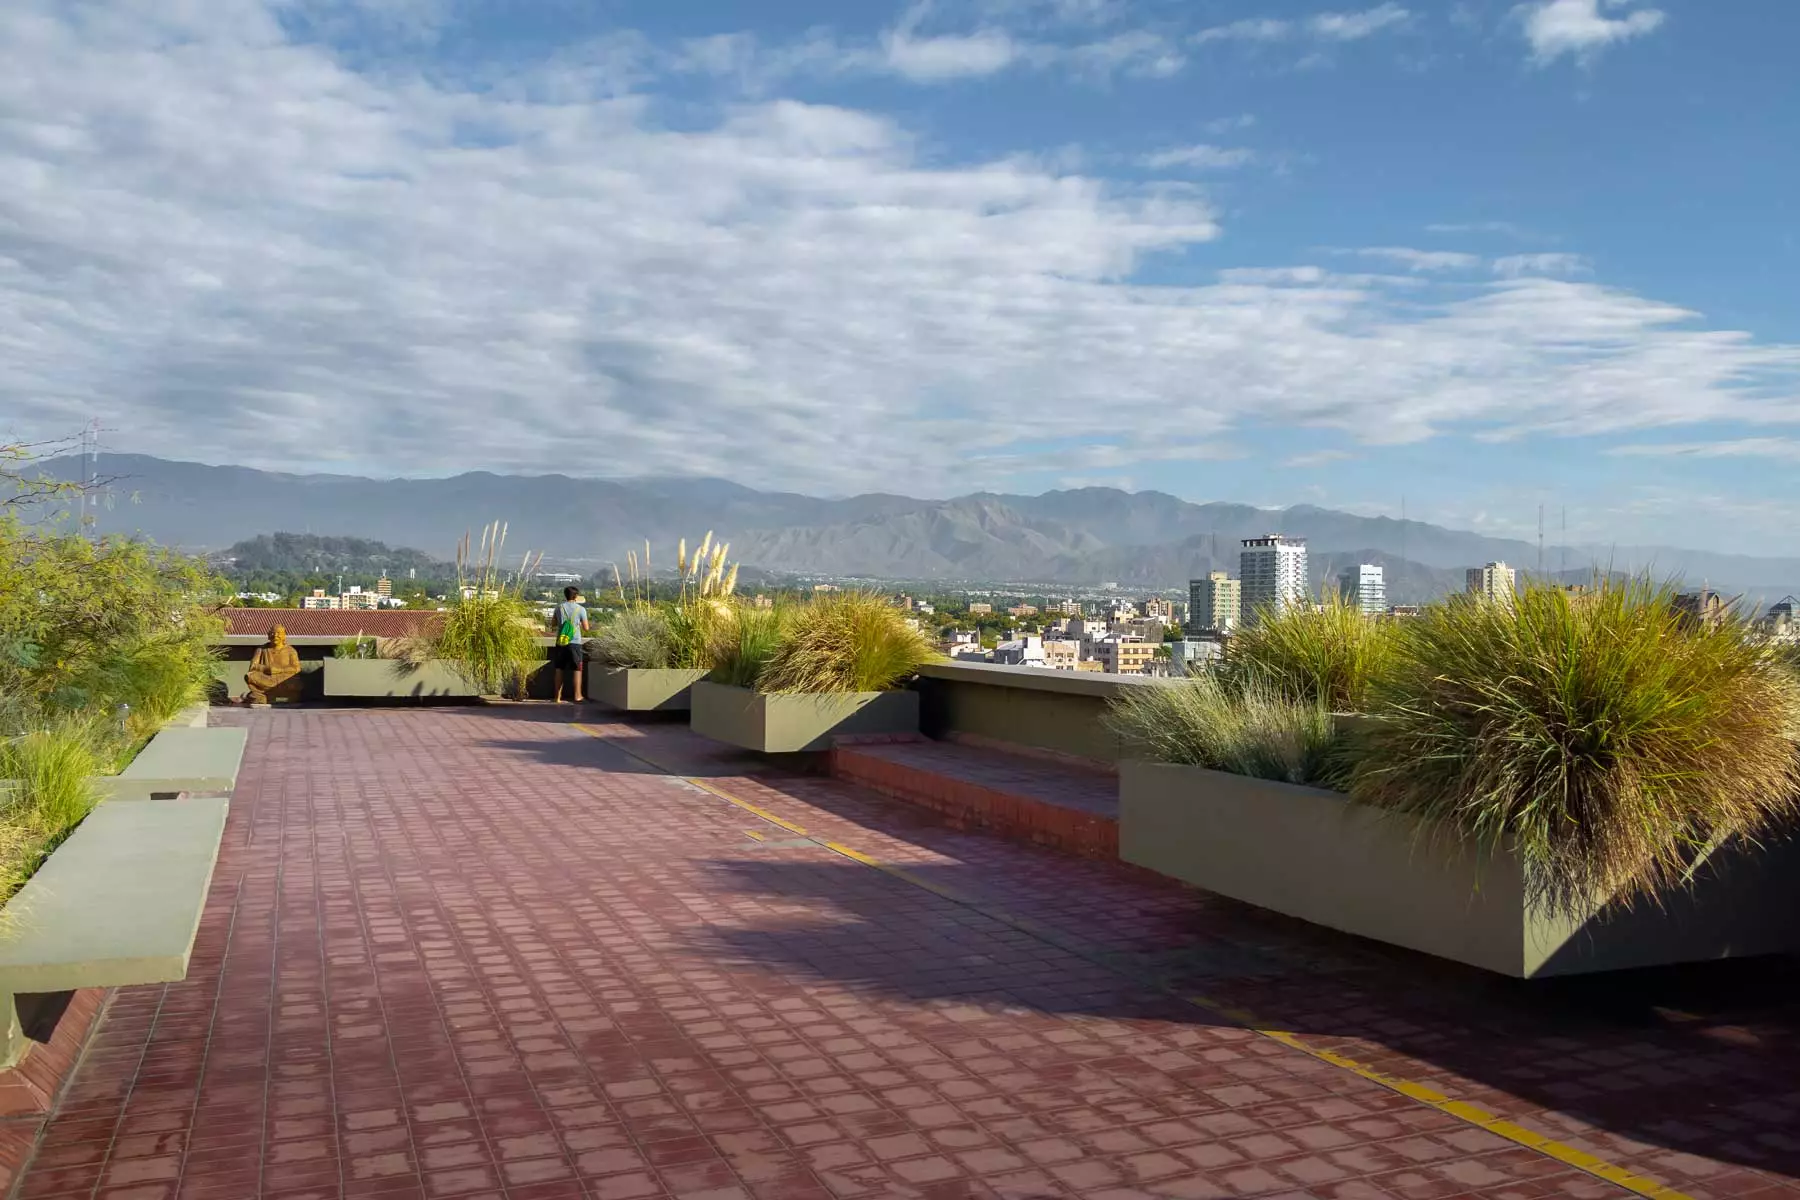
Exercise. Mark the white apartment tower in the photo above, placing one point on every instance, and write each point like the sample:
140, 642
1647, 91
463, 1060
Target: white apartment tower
1495, 581
1214, 602
1272, 572
1366, 588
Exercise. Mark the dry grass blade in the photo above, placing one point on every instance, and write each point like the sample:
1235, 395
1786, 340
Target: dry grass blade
848, 642
1603, 735
1252, 730
1332, 654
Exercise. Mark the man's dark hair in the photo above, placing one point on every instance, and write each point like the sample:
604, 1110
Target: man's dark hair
570, 592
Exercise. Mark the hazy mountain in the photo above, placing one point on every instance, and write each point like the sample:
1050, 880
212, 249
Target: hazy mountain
1087, 535
313, 554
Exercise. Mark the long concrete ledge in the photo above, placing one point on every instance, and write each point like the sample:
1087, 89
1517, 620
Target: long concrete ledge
118, 903
182, 760
1038, 679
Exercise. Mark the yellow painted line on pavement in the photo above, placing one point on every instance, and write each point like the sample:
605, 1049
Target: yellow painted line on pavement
1469, 1114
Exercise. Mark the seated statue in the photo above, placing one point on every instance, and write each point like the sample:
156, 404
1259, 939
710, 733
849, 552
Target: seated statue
273, 664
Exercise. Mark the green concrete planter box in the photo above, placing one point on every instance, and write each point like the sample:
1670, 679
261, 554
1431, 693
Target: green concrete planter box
388, 679
787, 722
1316, 855
641, 689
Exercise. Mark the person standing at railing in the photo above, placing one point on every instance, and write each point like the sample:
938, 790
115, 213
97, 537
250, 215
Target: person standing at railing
570, 624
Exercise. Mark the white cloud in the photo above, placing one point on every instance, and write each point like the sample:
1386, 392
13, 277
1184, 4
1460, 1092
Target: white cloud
1139, 54
1324, 26
1515, 266
1581, 28
1235, 124
959, 56
1504, 228
1419, 260
230, 246
1318, 458
1784, 449
1200, 157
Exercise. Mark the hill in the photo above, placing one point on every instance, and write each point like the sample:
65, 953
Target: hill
1077, 536
312, 554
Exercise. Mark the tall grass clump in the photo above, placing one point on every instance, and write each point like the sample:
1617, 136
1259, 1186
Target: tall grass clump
490, 633
1606, 737
687, 631
1252, 729
48, 790
748, 643
1331, 654
846, 642
637, 638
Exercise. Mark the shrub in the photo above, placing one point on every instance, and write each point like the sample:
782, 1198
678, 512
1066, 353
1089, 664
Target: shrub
747, 644
491, 641
637, 637
1249, 730
1331, 654
357, 647
846, 642
50, 774
490, 633
1603, 735
86, 626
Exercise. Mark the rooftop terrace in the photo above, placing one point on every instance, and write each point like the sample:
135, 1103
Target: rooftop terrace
496, 952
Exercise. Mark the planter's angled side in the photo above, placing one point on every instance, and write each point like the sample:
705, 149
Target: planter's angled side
1317, 855
785, 723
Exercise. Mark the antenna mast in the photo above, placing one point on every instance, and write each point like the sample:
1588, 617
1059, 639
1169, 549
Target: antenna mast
1540, 566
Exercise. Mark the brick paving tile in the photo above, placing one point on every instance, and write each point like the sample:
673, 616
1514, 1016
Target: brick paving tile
478, 953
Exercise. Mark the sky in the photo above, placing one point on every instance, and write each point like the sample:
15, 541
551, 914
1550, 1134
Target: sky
1474, 258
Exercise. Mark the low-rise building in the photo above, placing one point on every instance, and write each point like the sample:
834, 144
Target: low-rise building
980, 610
1190, 656
1027, 651
1062, 654
1122, 654
1022, 610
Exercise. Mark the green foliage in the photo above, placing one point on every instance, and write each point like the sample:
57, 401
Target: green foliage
638, 638
1603, 735
491, 641
1251, 729
747, 644
359, 646
845, 642
86, 626
312, 554
490, 633
49, 788
1332, 654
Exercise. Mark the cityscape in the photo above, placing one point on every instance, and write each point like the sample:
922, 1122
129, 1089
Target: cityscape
902, 600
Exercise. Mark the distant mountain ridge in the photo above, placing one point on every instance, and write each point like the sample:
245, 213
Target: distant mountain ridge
1078, 536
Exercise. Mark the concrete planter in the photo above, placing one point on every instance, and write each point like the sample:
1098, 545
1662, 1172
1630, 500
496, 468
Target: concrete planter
784, 723
1315, 855
386, 679
640, 689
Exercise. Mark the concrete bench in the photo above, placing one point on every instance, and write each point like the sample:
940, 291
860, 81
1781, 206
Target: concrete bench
118, 903
181, 760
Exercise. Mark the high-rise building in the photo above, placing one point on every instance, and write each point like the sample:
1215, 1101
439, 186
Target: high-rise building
1365, 587
1214, 602
1272, 575
384, 586
1495, 581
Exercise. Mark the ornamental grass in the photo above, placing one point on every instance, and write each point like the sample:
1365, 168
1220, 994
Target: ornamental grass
1607, 737
845, 642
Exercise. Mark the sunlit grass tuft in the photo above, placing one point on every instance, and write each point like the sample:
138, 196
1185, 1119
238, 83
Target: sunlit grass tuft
846, 642
1603, 735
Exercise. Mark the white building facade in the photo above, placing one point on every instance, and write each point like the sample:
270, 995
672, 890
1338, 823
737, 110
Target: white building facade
1272, 575
1366, 588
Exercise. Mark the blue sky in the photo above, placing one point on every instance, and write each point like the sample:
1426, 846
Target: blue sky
1485, 256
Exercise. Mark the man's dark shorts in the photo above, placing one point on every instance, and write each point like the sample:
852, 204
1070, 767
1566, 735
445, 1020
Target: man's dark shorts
567, 658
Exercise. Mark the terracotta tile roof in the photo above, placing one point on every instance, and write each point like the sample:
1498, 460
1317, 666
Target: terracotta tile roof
325, 622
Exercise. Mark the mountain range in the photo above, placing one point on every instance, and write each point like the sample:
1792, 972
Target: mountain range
1079, 537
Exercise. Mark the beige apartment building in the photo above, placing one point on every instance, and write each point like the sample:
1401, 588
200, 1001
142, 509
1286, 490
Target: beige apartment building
1215, 602
1123, 655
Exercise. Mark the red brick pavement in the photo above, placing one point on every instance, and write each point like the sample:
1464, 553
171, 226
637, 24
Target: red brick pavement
477, 953
1052, 804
